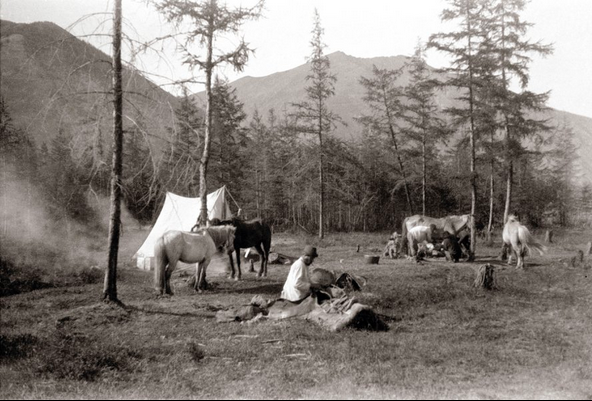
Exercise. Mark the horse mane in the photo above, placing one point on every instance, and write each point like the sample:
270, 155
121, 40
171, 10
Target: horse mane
220, 234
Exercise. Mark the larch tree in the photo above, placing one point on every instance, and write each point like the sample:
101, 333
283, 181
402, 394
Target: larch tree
110, 285
179, 170
421, 115
229, 136
313, 115
512, 50
383, 96
209, 21
259, 154
469, 61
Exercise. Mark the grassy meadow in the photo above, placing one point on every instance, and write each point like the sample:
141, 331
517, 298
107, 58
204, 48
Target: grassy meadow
529, 339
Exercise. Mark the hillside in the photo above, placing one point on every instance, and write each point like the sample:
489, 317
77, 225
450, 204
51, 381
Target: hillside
54, 81
279, 90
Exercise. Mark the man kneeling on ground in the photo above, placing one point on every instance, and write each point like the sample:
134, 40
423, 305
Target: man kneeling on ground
297, 286
451, 247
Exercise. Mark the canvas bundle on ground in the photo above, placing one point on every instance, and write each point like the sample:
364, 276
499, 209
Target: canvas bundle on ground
330, 307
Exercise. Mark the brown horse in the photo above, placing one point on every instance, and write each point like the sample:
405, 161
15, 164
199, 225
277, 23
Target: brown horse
188, 247
252, 233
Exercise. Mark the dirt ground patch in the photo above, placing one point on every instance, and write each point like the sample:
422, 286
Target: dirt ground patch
528, 339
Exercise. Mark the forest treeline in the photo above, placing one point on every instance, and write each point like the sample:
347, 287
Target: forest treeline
412, 156
270, 169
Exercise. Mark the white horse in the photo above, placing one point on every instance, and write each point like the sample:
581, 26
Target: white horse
519, 238
188, 247
419, 235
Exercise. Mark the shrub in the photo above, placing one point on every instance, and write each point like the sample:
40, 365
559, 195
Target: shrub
16, 279
195, 351
91, 275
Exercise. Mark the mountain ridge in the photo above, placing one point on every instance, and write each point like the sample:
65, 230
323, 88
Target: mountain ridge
53, 81
279, 90
49, 88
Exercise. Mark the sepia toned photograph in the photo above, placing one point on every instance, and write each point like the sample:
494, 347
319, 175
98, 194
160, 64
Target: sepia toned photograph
307, 199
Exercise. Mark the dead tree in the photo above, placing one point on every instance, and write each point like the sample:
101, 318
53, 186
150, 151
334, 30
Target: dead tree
110, 286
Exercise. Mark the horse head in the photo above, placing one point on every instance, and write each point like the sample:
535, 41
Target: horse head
460, 222
229, 243
512, 218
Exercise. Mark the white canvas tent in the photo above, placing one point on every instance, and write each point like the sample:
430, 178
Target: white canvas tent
180, 213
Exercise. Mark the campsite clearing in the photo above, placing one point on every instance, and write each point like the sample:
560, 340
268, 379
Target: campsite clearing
529, 339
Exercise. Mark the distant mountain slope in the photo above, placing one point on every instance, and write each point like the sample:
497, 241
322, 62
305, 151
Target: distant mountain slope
53, 81
281, 89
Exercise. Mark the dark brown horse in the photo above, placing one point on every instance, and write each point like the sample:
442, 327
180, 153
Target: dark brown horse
252, 233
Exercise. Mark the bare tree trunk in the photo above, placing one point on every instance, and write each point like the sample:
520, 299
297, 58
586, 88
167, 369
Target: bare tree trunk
424, 179
472, 140
509, 189
322, 197
491, 200
509, 151
400, 161
203, 167
491, 195
257, 192
110, 286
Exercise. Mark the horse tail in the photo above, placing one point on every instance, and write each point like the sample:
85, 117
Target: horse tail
161, 258
528, 241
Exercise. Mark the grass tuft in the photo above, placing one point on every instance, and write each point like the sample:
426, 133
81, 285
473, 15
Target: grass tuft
15, 347
78, 357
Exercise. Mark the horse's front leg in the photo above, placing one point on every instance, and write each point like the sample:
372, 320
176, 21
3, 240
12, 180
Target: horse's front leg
200, 280
167, 276
504, 255
511, 254
263, 256
238, 268
520, 264
232, 273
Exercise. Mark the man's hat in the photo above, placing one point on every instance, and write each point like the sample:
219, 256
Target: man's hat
310, 251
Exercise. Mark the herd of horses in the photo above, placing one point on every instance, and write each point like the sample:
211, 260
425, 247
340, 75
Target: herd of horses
201, 244
230, 236
419, 230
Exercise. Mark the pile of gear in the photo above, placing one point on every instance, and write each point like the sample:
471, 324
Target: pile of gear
450, 246
329, 304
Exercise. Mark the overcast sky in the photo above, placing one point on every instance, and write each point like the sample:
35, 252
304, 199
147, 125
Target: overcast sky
378, 28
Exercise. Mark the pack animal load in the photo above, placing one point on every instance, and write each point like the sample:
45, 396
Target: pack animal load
451, 224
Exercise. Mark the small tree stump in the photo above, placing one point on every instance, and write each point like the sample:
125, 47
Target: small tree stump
549, 237
574, 261
486, 277
589, 249
578, 260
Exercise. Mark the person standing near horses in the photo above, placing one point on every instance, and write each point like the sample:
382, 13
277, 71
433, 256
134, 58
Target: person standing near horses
297, 286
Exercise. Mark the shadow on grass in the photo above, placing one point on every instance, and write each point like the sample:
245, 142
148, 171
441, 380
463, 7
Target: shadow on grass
492, 260
151, 311
267, 289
